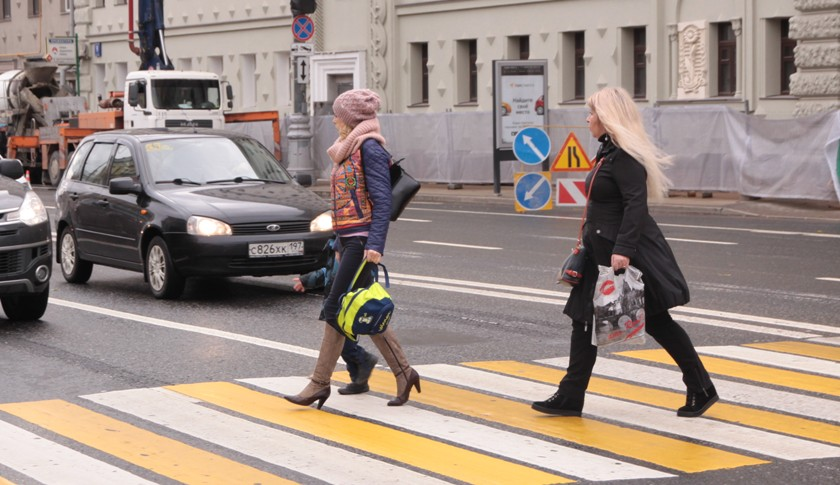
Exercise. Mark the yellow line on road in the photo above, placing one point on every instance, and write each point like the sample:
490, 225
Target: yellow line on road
159, 454
424, 453
3, 481
752, 372
806, 349
757, 418
652, 448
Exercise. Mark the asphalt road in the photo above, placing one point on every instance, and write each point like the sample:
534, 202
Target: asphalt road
477, 308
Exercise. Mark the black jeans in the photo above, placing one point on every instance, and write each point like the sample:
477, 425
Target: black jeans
352, 254
662, 328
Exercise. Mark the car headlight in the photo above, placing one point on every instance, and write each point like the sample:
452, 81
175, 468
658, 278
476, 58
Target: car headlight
205, 226
322, 223
32, 211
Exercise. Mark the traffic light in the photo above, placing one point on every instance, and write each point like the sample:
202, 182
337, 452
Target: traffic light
302, 7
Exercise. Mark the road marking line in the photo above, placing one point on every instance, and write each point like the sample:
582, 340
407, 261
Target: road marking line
826, 278
813, 327
466, 246
807, 349
404, 219
748, 394
443, 459
25, 453
827, 340
671, 453
526, 449
723, 411
159, 454
775, 359
701, 241
744, 326
191, 417
751, 372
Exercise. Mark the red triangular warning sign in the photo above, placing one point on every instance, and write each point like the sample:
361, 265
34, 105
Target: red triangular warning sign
571, 158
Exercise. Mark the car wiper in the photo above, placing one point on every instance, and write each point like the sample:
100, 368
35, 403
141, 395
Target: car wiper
178, 181
239, 180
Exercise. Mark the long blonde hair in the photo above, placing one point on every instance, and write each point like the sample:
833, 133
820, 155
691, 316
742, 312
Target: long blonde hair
623, 122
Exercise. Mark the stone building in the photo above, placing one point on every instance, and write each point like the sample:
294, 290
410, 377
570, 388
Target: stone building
773, 58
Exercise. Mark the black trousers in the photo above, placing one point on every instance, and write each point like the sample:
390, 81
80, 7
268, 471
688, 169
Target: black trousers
662, 328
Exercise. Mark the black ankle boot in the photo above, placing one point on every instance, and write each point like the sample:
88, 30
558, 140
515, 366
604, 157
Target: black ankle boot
360, 383
559, 405
696, 403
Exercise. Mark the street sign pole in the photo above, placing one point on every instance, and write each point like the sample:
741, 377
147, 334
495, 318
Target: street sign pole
300, 133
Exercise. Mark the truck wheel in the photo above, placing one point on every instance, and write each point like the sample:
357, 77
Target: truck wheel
164, 280
74, 269
26, 307
54, 170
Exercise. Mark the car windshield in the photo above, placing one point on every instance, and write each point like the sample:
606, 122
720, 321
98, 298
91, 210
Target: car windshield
186, 94
205, 159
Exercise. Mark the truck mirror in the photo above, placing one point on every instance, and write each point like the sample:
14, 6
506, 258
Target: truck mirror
304, 179
229, 92
132, 94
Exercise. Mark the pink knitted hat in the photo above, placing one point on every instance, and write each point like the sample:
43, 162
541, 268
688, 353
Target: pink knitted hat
357, 105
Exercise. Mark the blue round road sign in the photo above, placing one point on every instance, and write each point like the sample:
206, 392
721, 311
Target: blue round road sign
533, 191
302, 28
531, 145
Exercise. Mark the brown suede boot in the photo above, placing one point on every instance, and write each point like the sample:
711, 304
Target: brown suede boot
407, 377
318, 388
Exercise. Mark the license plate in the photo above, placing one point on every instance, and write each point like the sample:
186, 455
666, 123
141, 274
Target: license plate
275, 249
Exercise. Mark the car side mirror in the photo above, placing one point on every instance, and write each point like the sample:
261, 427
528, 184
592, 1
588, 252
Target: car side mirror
133, 92
124, 185
11, 168
304, 179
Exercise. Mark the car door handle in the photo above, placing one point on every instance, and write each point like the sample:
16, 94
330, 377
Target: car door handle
102, 203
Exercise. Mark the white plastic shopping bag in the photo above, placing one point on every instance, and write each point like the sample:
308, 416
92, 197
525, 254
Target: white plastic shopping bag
619, 307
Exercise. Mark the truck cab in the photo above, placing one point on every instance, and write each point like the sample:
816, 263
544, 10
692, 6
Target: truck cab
164, 99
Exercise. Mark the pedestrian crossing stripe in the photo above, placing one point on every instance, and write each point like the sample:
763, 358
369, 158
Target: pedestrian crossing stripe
471, 424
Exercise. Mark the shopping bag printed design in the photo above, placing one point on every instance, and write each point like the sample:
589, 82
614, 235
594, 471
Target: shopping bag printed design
619, 307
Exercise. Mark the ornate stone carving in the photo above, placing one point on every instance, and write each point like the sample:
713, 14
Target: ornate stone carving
822, 26
817, 83
811, 5
378, 49
817, 55
693, 61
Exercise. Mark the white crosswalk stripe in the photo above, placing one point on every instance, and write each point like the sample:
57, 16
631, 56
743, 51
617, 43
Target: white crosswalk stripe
207, 417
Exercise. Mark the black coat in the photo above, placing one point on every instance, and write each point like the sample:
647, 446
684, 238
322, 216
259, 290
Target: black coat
618, 221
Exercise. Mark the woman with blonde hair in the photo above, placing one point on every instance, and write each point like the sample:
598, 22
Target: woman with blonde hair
619, 231
360, 186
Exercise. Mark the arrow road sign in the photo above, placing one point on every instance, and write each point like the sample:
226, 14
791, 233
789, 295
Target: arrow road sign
302, 69
531, 145
532, 190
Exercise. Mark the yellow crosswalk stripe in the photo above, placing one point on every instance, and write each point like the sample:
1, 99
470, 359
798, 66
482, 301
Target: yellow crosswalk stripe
3, 481
757, 418
159, 454
805, 349
437, 457
652, 448
752, 372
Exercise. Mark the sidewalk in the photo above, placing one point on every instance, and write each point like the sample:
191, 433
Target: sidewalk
679, 202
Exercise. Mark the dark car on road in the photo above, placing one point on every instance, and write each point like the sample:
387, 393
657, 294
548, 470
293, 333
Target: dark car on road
25, 246
180, 203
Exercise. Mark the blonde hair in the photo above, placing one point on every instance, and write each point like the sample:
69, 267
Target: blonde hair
623, 122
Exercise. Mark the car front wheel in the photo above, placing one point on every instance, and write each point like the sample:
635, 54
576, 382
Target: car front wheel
164, 280
26, 306
74, 269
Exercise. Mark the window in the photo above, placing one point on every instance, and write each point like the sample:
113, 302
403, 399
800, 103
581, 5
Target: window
64, 5
120, 2
34, 8
419, 73
788, 67
467, 74
123, 164
726, 60
579, 66
6, 6
519, 47
98, 3
96, 165
639, 63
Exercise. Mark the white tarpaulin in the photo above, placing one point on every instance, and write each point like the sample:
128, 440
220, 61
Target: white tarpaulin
715, 149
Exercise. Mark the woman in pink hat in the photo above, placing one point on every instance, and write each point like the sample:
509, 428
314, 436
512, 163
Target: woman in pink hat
360, 185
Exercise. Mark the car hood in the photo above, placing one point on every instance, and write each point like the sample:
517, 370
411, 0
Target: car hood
249, 202
11, 194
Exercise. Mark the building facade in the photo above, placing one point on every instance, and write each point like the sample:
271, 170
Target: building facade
773, 58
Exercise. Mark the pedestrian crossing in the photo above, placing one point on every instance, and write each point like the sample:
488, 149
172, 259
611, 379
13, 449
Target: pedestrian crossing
472, 423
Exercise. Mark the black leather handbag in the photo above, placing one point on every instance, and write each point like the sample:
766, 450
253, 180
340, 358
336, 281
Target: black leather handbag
403, 188
571, 272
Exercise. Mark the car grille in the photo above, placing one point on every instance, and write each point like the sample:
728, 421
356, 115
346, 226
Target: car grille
267, 265
262, 228
189, 123
13, 262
